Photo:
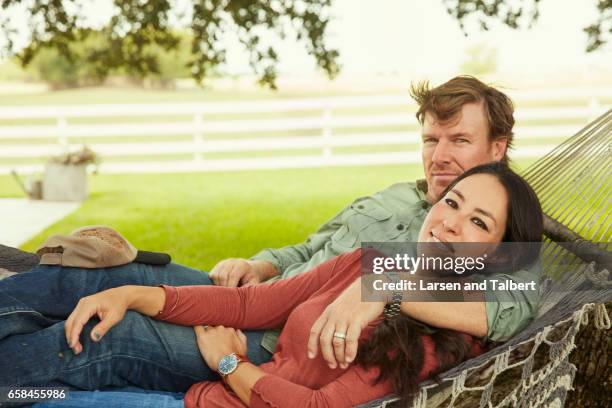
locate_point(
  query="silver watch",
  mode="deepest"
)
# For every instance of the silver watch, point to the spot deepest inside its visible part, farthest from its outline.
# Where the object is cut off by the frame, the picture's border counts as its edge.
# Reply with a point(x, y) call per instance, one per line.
point(228, 364)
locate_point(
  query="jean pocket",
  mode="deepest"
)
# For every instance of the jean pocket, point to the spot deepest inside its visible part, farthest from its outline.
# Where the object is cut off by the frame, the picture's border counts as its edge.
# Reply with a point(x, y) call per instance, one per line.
point(18, 320)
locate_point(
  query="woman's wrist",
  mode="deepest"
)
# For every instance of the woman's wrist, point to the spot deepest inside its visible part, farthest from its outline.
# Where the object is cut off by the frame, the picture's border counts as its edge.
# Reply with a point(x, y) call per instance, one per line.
point(220, 352)
point(148, 300)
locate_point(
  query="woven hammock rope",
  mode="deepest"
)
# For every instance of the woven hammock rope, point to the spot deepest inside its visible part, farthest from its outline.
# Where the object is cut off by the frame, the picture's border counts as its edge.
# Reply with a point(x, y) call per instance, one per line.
point(574, 184)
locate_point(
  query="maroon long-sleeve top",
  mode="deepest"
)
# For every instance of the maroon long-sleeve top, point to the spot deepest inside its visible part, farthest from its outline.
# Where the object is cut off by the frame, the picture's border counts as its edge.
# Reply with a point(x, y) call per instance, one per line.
point(292, 379)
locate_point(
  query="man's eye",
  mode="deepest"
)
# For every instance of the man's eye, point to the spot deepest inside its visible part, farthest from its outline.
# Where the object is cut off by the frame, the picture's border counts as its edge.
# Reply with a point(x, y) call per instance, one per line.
point(462, 140)
point(451, 203)
point(430, 140)
point(480, 223)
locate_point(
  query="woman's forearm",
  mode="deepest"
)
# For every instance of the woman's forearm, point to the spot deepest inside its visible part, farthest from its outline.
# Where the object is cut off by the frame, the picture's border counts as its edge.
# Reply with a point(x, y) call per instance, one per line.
point(147, 300)
point(243, 379)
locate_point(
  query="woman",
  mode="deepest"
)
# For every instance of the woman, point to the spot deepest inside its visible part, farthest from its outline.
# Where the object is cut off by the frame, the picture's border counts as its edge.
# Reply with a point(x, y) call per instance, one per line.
point(487, 204)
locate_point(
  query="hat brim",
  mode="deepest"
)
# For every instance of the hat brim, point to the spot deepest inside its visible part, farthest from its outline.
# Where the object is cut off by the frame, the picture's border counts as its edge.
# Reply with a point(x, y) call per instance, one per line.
point(152, 258)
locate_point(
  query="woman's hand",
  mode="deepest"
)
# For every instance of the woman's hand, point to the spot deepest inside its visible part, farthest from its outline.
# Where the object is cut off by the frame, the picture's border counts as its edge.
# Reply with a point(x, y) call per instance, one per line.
point(217, 342)
point(346, 315)
point(110, 307)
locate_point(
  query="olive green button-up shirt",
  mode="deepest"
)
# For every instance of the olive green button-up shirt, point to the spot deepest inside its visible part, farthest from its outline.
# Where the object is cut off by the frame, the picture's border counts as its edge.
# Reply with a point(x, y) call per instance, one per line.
point(393, 215)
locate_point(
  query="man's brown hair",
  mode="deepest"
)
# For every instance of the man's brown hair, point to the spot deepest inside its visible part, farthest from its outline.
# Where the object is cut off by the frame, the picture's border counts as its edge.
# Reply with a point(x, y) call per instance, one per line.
point(445, 101)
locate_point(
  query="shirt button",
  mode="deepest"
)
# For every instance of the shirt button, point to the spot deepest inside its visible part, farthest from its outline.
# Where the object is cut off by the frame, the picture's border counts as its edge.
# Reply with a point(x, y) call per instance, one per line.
point(360, 207)
point(400, 227)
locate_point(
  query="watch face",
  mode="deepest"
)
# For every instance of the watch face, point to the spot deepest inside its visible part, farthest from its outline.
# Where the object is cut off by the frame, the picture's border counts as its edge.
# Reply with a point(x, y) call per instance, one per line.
point(228, 364)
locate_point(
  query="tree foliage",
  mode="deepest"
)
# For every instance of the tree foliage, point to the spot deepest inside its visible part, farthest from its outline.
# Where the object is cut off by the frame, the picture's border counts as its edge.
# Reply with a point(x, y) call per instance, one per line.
point(86, 68)
point(520, 13)
point(139, 26)
point(481, 59)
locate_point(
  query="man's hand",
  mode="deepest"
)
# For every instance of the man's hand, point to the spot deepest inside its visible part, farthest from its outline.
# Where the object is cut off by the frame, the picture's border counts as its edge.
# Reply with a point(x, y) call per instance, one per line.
point(110, 307)
point(349, 315)
point(241, 272)
point(217, 342)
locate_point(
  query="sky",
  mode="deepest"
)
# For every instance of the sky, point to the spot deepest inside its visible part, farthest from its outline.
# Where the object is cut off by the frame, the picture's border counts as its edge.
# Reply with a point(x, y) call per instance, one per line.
point(419, 38)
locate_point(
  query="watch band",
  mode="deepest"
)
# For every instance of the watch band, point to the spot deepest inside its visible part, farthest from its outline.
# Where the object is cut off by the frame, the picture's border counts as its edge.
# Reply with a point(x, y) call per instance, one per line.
point(392, 309)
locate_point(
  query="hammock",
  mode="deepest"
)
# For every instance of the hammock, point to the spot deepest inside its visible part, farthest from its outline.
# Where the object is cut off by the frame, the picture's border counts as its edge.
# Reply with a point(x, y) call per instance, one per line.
point(574, 184)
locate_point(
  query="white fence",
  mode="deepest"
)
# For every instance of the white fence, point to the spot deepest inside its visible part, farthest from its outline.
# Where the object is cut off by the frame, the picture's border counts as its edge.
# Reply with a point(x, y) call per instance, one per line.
point(331, 124)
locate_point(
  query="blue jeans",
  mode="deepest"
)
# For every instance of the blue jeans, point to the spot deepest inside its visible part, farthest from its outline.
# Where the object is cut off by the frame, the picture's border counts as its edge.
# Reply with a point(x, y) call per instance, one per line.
point(139, 351)
point(128, 398)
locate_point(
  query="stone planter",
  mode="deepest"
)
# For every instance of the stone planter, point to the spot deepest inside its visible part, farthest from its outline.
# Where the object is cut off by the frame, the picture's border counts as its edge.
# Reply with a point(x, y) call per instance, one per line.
point(65, 182)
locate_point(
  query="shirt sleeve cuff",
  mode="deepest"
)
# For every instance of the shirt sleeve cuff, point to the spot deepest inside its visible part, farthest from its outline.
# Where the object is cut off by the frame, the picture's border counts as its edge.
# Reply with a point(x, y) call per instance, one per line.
point(263, 387)
point(172, 299)
point(267, 255)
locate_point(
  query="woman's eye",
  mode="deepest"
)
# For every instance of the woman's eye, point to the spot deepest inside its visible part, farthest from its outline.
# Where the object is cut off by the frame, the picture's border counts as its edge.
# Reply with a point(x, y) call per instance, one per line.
point(480, 223)
point(451, 203)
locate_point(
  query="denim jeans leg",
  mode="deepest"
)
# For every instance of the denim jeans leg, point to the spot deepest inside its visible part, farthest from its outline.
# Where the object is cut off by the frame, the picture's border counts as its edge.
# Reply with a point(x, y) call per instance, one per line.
point(34, 302)
point(116, 399)
point(52, 292)
point(138, 351)
point(18, 318)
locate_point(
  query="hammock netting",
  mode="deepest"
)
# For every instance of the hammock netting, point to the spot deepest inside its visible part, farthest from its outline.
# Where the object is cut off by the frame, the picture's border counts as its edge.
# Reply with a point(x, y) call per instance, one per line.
point(532, 369)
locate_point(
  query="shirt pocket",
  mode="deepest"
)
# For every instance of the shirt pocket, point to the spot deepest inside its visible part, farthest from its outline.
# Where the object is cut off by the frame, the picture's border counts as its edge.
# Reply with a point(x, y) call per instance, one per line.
point(364, 220)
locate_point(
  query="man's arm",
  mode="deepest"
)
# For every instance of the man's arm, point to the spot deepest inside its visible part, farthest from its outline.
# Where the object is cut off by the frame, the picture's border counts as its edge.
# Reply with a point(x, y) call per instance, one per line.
point(289, 255)
point(465, 317)
point(270, 263)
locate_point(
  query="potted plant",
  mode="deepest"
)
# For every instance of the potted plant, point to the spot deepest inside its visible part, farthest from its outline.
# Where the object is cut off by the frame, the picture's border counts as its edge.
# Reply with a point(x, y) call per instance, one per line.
point(65, 177)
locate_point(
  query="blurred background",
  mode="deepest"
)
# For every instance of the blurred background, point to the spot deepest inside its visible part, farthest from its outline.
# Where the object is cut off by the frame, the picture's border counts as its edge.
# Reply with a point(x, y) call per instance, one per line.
point(214, 129)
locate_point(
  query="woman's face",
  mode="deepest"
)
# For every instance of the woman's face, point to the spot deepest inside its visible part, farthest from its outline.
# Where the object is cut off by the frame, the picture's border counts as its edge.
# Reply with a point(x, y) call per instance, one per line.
point(475, 210)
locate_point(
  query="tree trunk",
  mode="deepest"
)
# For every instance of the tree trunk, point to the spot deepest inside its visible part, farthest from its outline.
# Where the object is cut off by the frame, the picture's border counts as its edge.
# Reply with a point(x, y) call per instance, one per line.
point(591, 357)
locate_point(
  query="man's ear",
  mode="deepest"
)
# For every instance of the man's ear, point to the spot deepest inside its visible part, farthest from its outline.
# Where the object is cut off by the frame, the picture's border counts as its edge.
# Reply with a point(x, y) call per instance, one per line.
point(499, 147)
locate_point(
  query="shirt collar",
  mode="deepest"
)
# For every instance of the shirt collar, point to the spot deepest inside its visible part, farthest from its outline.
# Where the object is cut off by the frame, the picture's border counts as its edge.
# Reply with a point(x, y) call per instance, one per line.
point(421, 189)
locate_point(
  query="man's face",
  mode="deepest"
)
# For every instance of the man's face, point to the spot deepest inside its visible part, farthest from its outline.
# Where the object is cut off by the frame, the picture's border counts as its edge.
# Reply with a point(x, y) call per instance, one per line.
point(451, 148)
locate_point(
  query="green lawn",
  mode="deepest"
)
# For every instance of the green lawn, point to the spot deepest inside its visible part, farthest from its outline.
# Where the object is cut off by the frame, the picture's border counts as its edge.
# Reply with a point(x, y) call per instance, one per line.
point(201, 218)
point(204, 217)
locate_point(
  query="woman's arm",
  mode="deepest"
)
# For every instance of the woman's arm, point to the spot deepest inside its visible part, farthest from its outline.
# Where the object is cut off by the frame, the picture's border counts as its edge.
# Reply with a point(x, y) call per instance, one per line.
point(256, 388)
point(260, 306)
point(110, 307)
point(253, 307)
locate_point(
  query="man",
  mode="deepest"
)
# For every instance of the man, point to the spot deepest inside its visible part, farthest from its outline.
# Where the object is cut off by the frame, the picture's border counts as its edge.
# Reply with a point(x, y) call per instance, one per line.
point(465, 123)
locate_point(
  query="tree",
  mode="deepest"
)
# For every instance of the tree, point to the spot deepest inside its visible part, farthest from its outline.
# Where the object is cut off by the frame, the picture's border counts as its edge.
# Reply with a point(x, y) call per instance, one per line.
point(139, 24)
point(481, 60)
point(82, 68)
point(520, 13)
